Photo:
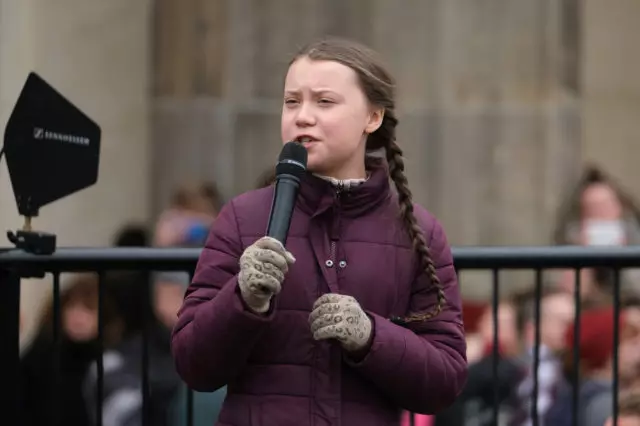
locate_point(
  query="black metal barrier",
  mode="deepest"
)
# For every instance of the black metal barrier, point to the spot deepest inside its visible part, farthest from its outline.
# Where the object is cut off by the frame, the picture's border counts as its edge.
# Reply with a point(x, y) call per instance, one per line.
point(15, 264)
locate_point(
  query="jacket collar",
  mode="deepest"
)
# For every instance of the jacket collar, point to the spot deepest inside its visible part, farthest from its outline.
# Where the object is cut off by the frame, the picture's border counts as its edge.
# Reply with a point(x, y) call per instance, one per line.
point(318, 195)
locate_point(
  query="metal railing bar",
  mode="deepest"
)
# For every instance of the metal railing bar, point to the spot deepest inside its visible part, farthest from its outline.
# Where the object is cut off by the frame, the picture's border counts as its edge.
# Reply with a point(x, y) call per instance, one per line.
point(616, 341)
point(536, 348)
point(180, 259)
point(100, 360)
point(546, 257)
point(190, 419)
point(112, 258)
point(57, 349)
point(146, 323)
point(575, 401)
point(495, 302)
point(10, 338)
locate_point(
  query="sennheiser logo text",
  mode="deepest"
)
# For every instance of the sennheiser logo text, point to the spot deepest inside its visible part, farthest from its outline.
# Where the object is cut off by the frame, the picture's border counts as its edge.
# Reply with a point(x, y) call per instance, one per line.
point(40, 133)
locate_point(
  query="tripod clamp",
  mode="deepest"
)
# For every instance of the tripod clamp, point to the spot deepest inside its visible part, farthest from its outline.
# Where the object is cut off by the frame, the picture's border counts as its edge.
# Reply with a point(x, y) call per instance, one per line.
point(32, 242)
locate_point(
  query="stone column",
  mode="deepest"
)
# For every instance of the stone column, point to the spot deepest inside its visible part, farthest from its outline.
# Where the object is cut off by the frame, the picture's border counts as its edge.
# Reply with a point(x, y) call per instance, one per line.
point(611, 88)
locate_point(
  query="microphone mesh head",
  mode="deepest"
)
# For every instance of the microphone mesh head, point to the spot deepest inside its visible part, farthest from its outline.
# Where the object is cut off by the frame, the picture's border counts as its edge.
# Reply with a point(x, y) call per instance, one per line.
point(292, 160)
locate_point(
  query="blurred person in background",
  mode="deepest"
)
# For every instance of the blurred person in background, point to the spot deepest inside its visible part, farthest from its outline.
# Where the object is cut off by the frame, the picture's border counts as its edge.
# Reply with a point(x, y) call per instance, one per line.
point(601, 213)
point(132, 235)
point(185, 223)
point(596, 357)
point(557, 312)
point(78, 349)
point(596, 286)
point(307, 354)
point(508, 337)
point(141, 308)
point(628, 409)
point(123, 387)
point(603, 218)
point(474, 406)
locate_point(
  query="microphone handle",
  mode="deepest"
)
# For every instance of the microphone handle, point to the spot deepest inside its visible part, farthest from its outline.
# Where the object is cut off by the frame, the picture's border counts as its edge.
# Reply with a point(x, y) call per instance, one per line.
point(284, 200)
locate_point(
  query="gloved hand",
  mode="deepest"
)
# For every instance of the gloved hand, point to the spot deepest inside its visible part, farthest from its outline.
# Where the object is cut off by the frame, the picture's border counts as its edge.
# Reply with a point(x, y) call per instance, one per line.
point(340, 317)
point(263, 266)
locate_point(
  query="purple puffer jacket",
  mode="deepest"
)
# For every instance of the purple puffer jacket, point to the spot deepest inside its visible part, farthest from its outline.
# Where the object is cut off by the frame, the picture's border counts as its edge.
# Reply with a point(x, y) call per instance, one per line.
point(277, 375)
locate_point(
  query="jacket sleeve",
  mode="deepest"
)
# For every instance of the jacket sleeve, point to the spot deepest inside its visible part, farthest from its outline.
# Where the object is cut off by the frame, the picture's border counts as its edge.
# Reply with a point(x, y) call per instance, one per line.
point(423, 367)
point(215, 331)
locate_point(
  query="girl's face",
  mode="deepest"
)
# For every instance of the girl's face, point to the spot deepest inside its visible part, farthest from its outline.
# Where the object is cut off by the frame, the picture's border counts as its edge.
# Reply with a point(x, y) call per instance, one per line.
point(80, 322)
point(507, 332)
point(629, 345)
point(625, 420)
point(326, 110)
point(600, 201)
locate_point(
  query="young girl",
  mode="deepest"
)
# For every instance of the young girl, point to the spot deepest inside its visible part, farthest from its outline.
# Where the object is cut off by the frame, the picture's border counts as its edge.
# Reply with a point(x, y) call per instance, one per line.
point(359, 317)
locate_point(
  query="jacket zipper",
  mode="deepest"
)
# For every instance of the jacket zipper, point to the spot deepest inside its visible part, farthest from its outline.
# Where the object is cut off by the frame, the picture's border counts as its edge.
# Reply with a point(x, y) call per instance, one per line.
point(335, 231)
point(333, 252)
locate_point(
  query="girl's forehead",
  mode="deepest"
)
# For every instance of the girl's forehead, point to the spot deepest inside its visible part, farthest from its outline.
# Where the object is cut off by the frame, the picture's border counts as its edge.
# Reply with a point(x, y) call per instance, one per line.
point(307, 74)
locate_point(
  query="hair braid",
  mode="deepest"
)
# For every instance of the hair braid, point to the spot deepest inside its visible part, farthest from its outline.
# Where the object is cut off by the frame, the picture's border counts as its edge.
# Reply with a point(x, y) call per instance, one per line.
point(405, 201)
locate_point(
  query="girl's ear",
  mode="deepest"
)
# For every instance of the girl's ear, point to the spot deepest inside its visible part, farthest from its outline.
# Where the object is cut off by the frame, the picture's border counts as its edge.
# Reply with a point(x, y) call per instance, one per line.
point(375, 120)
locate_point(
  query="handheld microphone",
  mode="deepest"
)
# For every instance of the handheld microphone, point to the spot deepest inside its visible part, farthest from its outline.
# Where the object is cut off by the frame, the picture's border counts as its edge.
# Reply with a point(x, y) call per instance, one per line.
point(292, 164)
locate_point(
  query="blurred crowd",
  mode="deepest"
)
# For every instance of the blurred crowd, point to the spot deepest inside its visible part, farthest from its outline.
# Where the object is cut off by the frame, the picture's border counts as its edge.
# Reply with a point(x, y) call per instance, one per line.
point(139, 311)
point(598, 213)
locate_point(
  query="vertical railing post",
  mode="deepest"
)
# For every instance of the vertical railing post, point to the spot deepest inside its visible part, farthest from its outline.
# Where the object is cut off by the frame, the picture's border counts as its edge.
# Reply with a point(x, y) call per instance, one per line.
point(10, 339)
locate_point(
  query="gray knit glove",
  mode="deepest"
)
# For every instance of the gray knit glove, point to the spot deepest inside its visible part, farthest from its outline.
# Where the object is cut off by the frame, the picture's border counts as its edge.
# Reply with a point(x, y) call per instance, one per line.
point(340, 317)
point(263, 266)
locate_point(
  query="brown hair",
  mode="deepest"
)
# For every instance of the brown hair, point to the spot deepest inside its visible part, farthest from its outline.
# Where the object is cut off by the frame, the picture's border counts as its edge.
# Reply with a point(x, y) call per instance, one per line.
point(629, 404)
point(572, 207)
point(192, 195)
point(266, 178)
point(379, 88)
point(84, 290)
